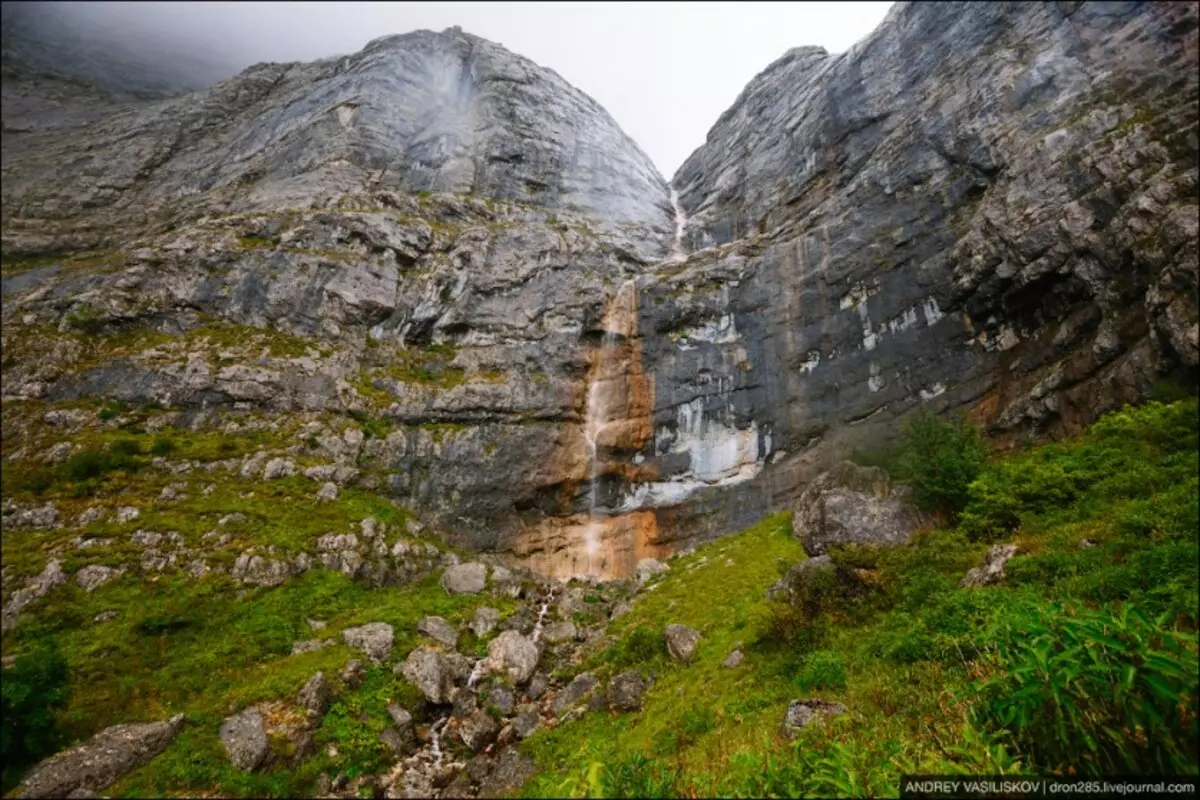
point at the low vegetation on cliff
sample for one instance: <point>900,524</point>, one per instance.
<point>1076,653</point>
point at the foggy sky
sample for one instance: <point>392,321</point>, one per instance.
<point>665,71</point>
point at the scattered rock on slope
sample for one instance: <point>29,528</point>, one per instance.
<point>245,739</point>
<point>992,569</point>
<point>101,760</point>
<point>852,504</point>
<point>681,642</point>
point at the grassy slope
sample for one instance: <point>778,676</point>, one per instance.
<point>915,658</point>
<point>905,661</point>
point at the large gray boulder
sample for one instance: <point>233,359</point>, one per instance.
<point>514,655</point>
<point>681,642</point>
<point>100,761</point>
<point>478,730</point>
<point>374,639</point>
<point>625,691</point>
<point>435,674</point>
<point>439,630</point>
<point>469,578</point>
<point>852,505</point>
<point>579,689</point>
<point>244,737</point>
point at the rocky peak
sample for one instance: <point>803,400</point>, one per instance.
<point>419,112</point>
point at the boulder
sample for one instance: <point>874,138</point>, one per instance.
<point>647,568</point>
<point>509,774</point>
<point>375,639</point>
<point>95,575</point>
<point>439,630</point>
<point>578,690</point>
<point>499,697</point>
<point>432,673</point>
<point>245,739</point>
<point>469,578</point>
<point>513,654</point>
<point>560,632</point>
<point>485,621</point>
<point>681,642</point>
<point>402,722</point>
<point>626,690</point>
<point>537,686</point>
<point>802,713</point>
<point>733,660</point>
<point>992,569</point>
<point>100,761</point>
<point>852,505</point>
<point>315,696</point>
<point>478,730</point>
<point>526,722</point>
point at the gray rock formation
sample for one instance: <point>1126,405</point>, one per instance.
<point>625,691</point>
<point>434,674</point>
<point>681,641</point>
<point>979,208</point>
<point>992,569</point>
<point>375,639</point>
<point>802,713</point>
<point>439,630</point>
<point>100,761</point>
<point>852,505</point>
<point>513,655</point>
<point>315,696</point>
<point>579,689</point>
<point>469,578</point>
<point>244,737</point>
<point>485,621</point>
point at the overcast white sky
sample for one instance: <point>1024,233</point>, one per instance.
<point>665,71</point>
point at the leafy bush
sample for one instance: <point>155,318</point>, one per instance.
<point>35,688</point>
<point>163,446</point>
<point>640,646</point>
<point>1099,691</point>
<point>940,459</point>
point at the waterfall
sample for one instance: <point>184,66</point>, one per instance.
<point>676,253</point>
<point>619,323</point>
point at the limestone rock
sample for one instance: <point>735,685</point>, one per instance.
<point>431,673</point>
<point>733,660</point>
<point>578,690</point>
<point>245,739</point>
<point>315,696</point>
<point>852,504</point>
<point>439,630</point>
<point>374,639</point>
<point>469,578</point>
<point>508,775</point>
<point>802,713</point>
<point>95,575</point>
<point>992,569</point>
<point>625,691</point>
<point>681,642</point>
<point>513,654</point>
<point>478,730</point>
<point>485,621</point>
<point>100,761</point>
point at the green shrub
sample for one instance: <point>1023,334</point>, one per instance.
<point>822,670</point>
<point>34,689</point>
<point>940,459</point>
<point>640,646</point>
<point>637,776</point>
<point>1097,691</point>
<point>92,463</point>
<point>163,446</point>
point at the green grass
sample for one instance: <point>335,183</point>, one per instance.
<point>1100,642</point>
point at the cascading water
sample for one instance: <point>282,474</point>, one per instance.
<point>676,252</point>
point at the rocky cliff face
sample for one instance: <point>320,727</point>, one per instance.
<point>980,207</point>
